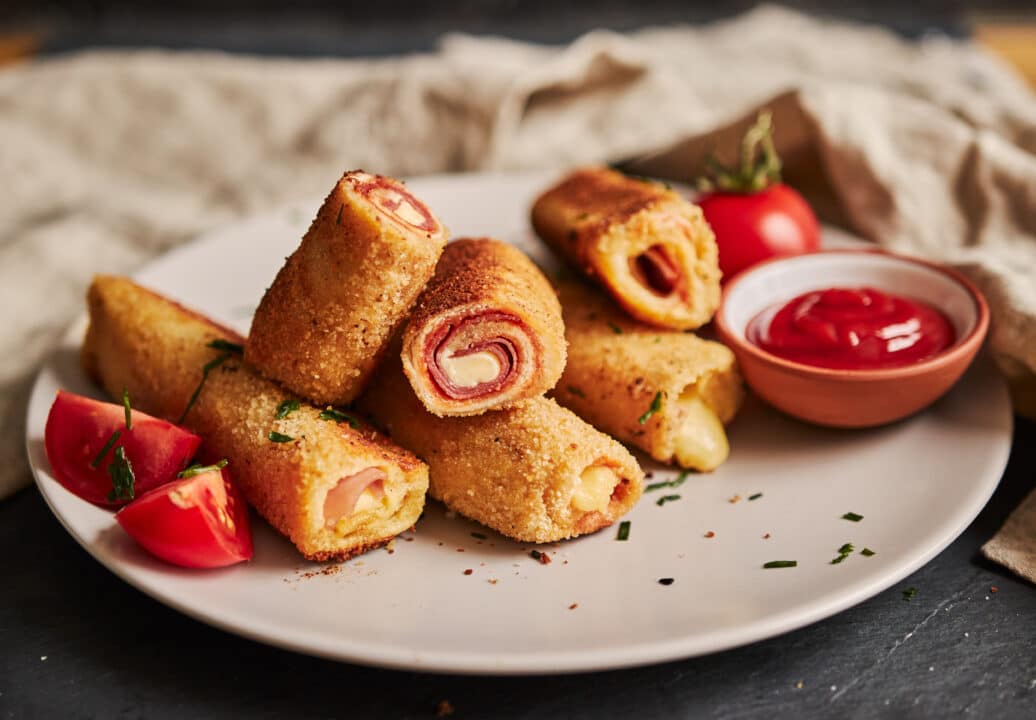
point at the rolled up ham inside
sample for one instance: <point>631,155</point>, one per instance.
<point>667,393</point>
<point>649,247</point>
<point>332,485</point>
<point>533,472</point>
<point>485,333</point>
<point>326,320</point>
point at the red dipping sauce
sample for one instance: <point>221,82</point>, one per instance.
<point>852,329</point>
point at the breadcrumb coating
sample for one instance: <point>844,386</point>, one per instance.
<point>623,232</point>
<point>616,367</point>
<point>485,290</point>
<point>324,323</point>
<point>513,470</point>
<point>156,349</point>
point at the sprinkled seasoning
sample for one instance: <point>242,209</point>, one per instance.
<point>576,391</point>
<point>710,534</point>
<point>468,571</point>
<point>573,606</point>
<point>615,328</point>
<point>624,531</point>
<point>867,552</point>
<point>478,536</point>
<point>734,499</point>
<point>339,416</point>
<point>843,553</point>
<point>656,405</point>
<point>666,498</point>
<point>756,496</point>
<point>286,408</point>
<point>680,479</point>
<point>780,564</point>
<point>852,517</point>
<point>226,346</point>
<point>666,581</point>
<point>909,594</point>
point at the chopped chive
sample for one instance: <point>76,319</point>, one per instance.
<point>104,451</point>
<point>279,437</point>
<point>576,391</point>
<point>667,498</point>
<point>126,408</point>
<point>909,594</point>
<point>615,328</point>
<point>121,473</point>
<point>867,552</point>
<point>535,554</point>
<point>624,530</point>
<point>843,552</point>
<point>339,416</point>
<point>656,405</point>
<point>780,564</point>
<point>756,496</point>
<point>478,535</point>
<point>338,220</point>
<point>666,581</point>
<point>669,483</point>
<point>852,517</point>
<point>198,469</point>
<point>286,408</point>
<point>209,367</point>
<point>226,346</point>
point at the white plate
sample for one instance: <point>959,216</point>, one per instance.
<point>598,605</point>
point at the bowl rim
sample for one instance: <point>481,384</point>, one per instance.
<point>959,350</point>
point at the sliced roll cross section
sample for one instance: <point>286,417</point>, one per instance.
<point>331,484</point>
<point>485,333</point>
<point>326,320</point>
<point>668,393</point>
<point>533,472</point>
<point>648,246</point>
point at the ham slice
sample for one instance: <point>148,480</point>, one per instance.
<point>438,350</point>
<point>657,271</point>
<point>341,499</point>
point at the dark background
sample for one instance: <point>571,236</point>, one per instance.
<point>349,28</point>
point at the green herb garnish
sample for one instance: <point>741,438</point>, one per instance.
<point>780,564</point>
<point>576,391</point>
<point>867,552</point>
<point>286,408</point>
<point>656,405</point>
<point>680,479</point>
<point>852,517</point>
<point>624,531</point>
<point>121,473</point>
<point>339,416</point>
<point>666,498</point>
<point>338,220</point>
<point>279,437</point>
<point>198,469</point>
<point>227,346</point>
<point>535,554</point>
<point>209,367</point>
<point>909,594</point>
<point>126,408</point>
<point>478,536</point>
<point>666,581</point>
<point>615,328</point>
<point>104,451</point>
<point>843,552</point>
<point>756,496</point>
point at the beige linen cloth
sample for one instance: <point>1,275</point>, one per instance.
<point>109,158</point>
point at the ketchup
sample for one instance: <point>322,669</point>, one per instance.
<point>852,329</point>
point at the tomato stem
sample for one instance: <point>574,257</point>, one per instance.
<point>759,165</point>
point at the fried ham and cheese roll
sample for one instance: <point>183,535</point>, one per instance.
<point>485,333</point>
<point>323,325</point>
<point>667,393</point>
<point>533,472</point>
<point>333,486</point>
<point>648,246</point>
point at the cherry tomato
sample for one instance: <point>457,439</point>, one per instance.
<point>752,227</point>
<point>78,428</point>
<point>196,522</point>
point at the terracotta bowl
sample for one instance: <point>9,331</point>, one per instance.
<point>851,398</point>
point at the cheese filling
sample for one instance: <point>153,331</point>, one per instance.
<point>594,489</point>
<point>700,442</point>
<point>468,371</point>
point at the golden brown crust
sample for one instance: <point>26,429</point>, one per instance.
<point>156,349</point>
<point>486,278</point>
<point>605,223</point>
<point>616,366</point>
<point>514,470</point>
<point>323,324</point>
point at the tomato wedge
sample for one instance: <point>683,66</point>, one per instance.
<point>197,522</point>
<point>78,428</point>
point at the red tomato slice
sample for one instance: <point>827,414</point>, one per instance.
<point>79,427</point>
<point>752,227</point>
<point>197,522</point>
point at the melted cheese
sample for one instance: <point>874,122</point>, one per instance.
<point>701,441</point>
<point>594,489</point>
<point>467,371</point>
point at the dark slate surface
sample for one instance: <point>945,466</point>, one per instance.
<point>956,649</point>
